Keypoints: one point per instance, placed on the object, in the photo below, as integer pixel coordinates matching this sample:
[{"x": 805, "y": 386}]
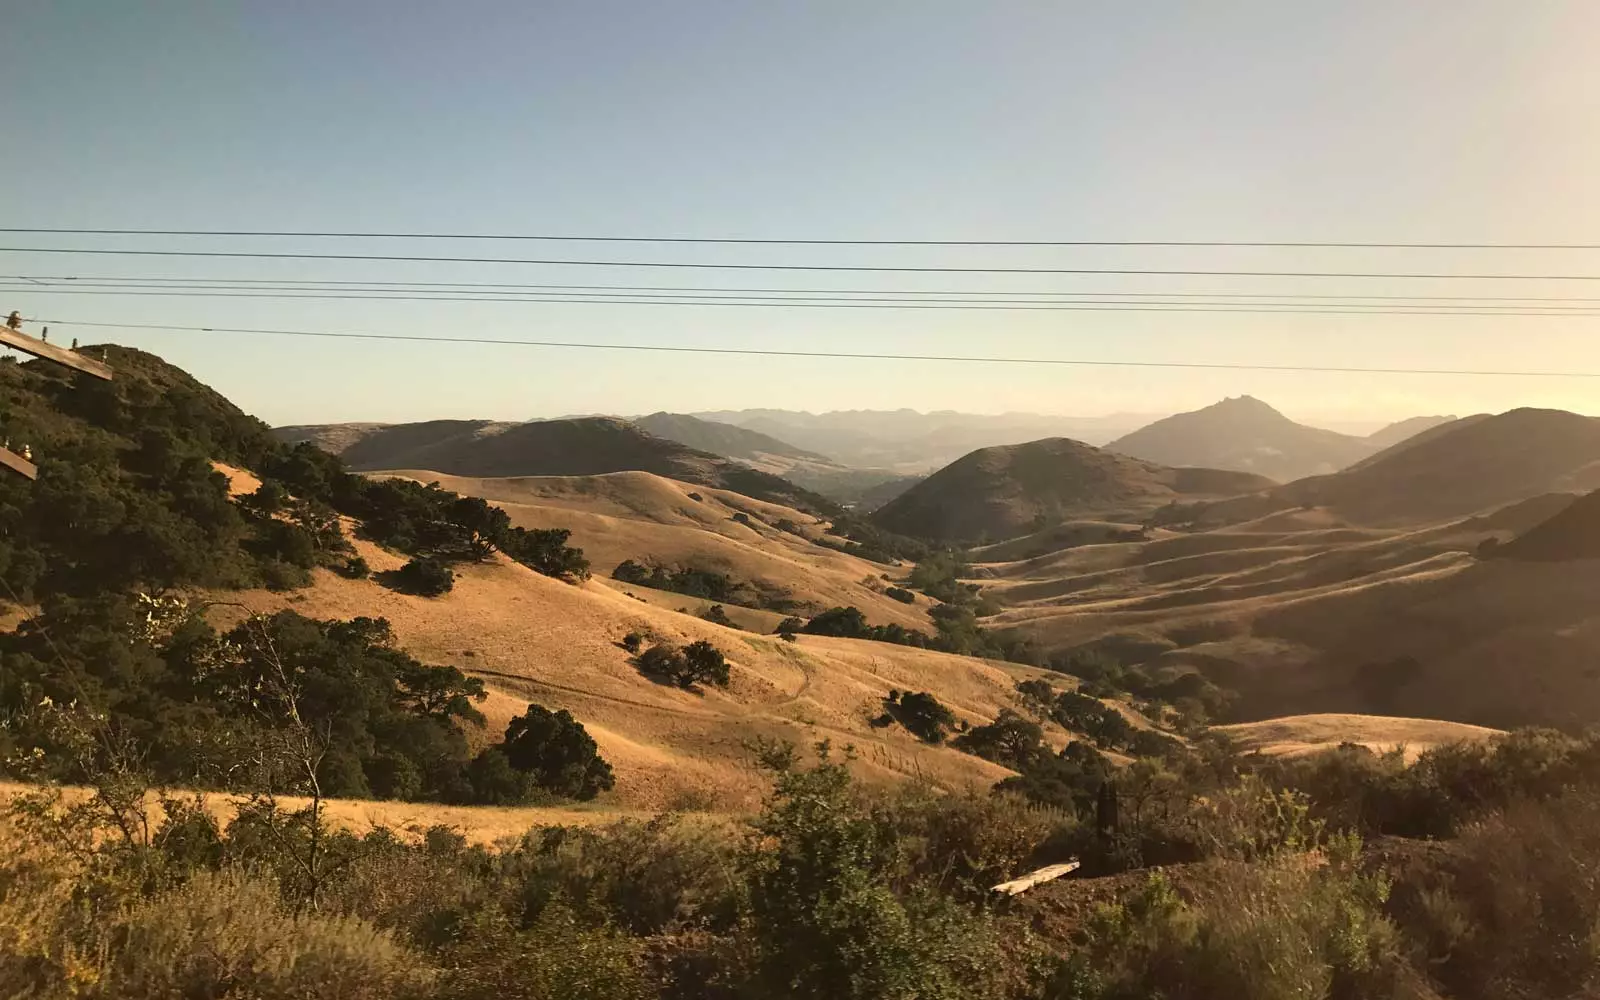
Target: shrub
[
  {"x": 556, "y": 753},
  {"x": 824, "y": 919},
  {"x": 1513, "y": 911},
  {"x": 699, "y": 662},
  {"x": 354, "y": 568},
  {"x": 218, "y": 935},
  {"x": 424, "y": 576},
  {"x": 1257, "y": 933},
  {"x": 1039, "y": 695},
  {"x": 923, "y": 714},
  {"x": 1010, "y": 740},
  {"x": 669, "y": 875},
  {"x": 717, "y": 616},
  {"x": 632, "y": 642},
  {"x": 705, "y": 664},
  {"x": 901, "y": 594},
  {"x": 555, "y": 958}
]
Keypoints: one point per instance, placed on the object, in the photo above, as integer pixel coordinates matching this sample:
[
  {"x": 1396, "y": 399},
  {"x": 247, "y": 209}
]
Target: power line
[
  {"x": 312, "y": 284},
  {"x": 855, "y": 268},
  {"x": 947, "y": 305},
  {"x": 854, "y": 356},
  {"x": 729, "y": 240}
]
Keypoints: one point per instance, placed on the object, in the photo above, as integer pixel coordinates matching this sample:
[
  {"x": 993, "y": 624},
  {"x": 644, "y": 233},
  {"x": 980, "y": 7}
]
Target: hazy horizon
[{"x": 1430, "y": 122}]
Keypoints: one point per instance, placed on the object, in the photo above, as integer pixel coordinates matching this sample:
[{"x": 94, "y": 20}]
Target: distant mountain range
[
  {"x": 1403, "y": 429},
  {"x": 864, "y": 489},
  {"x": 1001, "y": 492},
  {"x": 728, "y": 440},
  {"x": 907, "y": 441},
  {"x": 1449, "y": 470},
  {"x": 580, "y": 446}
]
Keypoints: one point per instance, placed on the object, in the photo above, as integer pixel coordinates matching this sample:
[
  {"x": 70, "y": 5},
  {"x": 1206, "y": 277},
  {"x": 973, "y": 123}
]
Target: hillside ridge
[{"x": 999, "y": 492}]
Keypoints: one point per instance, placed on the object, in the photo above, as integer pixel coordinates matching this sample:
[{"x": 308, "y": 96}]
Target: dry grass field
[
  {"x": 1298, "y": 735},
  {"x": 532, "y": 638},
  {"x": 646, "y": 518},
  {"x": 1301, "y": 612}
]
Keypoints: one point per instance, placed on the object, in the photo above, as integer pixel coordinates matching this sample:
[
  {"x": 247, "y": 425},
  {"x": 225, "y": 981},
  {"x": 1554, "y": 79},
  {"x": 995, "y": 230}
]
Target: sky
[{"x": 1455, "y": 121}]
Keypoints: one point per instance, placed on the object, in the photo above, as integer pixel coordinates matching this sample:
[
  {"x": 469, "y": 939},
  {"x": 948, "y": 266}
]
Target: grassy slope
[
  {"x": 1291, "y": 607},
  {"x": 533, "y": 638},
  {"x": 644, "y": 517},
  {"x": 1298, "y": 735}
]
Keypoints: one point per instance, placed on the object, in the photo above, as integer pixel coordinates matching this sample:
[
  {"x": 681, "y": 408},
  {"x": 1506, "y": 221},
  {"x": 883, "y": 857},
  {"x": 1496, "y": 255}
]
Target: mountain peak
[
  {"x": 1244, "y": 406},
  {"x": 1244, "y": 434}
]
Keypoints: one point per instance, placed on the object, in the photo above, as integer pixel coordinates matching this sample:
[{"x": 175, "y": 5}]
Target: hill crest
[
  {"x": 1008, "y": 490},
  {"x": 572, "y": 446},
  {"x": 1244, "y": 434},
  {"x": 728, "y": 440}
]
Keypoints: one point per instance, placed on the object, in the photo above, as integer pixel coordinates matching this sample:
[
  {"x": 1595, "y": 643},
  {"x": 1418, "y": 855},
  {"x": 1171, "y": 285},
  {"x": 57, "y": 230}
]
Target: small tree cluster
[
  {"x": 697, "y": 663},
  {"x": 424, "y": 576},
  {"x": 544, "y": 754},
  {"x": 923, "y": 714}
]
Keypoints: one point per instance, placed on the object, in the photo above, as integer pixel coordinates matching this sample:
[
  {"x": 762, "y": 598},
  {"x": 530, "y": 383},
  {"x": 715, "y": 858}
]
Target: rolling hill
[
  {"x": 1246, "y": 435},
  {"x": 581, "y": 446},
  {"x": 865, "y": 488},
  {"x": 723, "y": 439},
  {"x": 533, "y": 638},
  {"x": 657, "y": 521},
  {"x": 1468, "y": 466},
  {"x": 1573, "y": 533},
  {"x": 997, "y": 493},
  {"x": 1403, "y": 429},
  {"x": 1302, "y": 612}
]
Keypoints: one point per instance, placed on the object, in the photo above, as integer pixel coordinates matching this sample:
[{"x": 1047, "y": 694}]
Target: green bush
[
  {"x": 697, "y": 663},
  {"x": 424, "y": 576},
  {"x": 1010, "y": 740},
  {"x": 1511, "y": 911},
  {"x": 555, "y": 959},
  {"x": 923, "y": 714},
  {"x": 668, "y": 875},
  {"x": 556, "y": 753},
  {"x": 1265, "y": 932},
  {"x": 824, "y": 919}
]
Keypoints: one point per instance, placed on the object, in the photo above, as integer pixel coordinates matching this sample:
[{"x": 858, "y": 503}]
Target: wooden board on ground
[{"x": 1049, "y": 873}]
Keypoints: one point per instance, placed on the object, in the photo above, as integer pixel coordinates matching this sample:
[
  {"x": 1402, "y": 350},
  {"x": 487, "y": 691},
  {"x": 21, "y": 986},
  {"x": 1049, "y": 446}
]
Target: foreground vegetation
[{"x": 828, "y": 892}]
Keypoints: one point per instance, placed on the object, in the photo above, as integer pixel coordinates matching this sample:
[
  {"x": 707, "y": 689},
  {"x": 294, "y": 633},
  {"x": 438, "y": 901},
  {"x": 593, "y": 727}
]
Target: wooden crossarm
[
  {"x": 50, "y": 352},
  {"x": 17, "y": 463}
]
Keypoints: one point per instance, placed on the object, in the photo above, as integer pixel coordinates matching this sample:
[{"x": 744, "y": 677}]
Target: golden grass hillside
[
  {"x": 1299, "y": 735},
  {"x": 532, "y": 638},
  {"x": 646, "y": 518},
  {"x": 1300, "y": 612}
]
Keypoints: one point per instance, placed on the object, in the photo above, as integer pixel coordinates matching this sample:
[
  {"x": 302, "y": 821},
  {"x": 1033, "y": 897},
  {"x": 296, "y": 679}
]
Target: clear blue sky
[{"x": 1430, "y": 120}]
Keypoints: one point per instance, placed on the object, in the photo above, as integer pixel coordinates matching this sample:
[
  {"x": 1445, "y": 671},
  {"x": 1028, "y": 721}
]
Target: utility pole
[{"x": 11, "y": 335}]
